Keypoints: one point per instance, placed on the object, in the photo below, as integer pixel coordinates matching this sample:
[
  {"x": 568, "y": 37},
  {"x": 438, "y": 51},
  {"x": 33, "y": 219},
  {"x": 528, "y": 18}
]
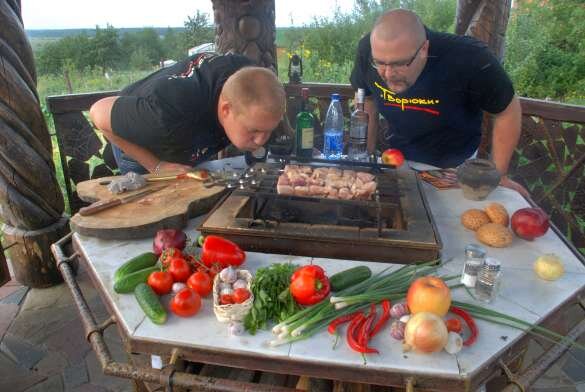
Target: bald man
[
  {"x": 182, "y": 115},
  {"x": 433, "y": 88}
]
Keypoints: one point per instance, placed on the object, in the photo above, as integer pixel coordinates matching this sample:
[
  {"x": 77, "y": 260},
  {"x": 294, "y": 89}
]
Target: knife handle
[{"x": 99, "y": 206}]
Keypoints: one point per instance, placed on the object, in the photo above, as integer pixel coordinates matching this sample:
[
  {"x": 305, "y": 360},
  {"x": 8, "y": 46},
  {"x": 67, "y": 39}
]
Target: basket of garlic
[{"x": 232, "y": 294}]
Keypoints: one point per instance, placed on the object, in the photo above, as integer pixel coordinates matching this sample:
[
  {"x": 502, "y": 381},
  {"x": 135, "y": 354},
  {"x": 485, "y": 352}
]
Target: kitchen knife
[
  {"x": 109, "y": 203},
  {"x": 198, "y": 174}
]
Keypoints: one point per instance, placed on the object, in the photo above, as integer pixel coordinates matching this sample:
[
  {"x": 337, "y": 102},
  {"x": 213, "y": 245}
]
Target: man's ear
[{"x": 224, "y": 107}]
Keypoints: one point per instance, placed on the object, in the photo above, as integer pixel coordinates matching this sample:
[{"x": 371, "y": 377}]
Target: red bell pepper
[
  {"x": 309, "y": 285},
  {"x": 217, "y": 249}
]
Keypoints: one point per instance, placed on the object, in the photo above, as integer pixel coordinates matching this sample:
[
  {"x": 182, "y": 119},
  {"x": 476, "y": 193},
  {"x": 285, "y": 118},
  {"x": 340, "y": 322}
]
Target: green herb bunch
[{"x": 272, "y": 298}]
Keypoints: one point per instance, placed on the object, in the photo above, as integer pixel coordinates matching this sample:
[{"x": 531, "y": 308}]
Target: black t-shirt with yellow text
[
  {"x": 438, "y": 119},
  {"x": 173, "y": 112}
]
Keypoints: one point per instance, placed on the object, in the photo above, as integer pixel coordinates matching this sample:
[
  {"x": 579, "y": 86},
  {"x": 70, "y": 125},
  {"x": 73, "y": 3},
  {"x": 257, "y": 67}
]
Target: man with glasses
[{"x": 432, "y": 88}]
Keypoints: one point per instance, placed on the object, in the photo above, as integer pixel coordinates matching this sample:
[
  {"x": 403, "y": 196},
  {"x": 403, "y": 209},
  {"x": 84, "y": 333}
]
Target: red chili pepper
[
  {"x": 217, "y": 249},
  {"x": 332, "y": 328},
  {"x": 364, "y": 332},
  {"x": 470, "y": 324},
  {"x": 309, "y": 285},
  {"x": 383, "y": 319},
  {"x": 351, "y": 335}
]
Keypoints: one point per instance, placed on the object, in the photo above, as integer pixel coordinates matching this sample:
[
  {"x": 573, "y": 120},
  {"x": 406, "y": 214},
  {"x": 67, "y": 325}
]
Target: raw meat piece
[
  {"x": 285, "y": 189},
  {"x": 365, "y": 177}
]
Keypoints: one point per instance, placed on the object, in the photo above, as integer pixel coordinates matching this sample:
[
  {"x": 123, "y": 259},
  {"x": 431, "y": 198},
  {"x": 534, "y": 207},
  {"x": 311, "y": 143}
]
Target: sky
[{"x": 69, "y": 14}]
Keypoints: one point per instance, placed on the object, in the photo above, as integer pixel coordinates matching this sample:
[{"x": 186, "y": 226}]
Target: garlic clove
[
  {"x": 454, "y": 343},
  {"x": 405, "y": 318}
]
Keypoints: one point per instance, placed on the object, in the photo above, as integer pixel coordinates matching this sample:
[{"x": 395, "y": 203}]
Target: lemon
[{"x": 549, "y": 267}]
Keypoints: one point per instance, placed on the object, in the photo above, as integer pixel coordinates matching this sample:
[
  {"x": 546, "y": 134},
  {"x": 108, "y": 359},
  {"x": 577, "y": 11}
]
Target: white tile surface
[{"x": 522, "y": 295}]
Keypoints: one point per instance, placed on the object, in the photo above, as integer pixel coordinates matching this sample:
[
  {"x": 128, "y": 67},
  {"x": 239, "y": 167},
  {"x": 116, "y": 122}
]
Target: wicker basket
[{"x": 232, "y": 312}]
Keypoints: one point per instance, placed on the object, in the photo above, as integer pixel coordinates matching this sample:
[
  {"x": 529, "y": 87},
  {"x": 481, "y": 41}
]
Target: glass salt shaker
[
  {"x": 474, "y": 257},
  {"x": 488, "y": 280}
]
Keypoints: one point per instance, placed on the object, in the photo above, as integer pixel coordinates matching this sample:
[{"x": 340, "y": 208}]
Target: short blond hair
[{"x": 255, "y": 86}]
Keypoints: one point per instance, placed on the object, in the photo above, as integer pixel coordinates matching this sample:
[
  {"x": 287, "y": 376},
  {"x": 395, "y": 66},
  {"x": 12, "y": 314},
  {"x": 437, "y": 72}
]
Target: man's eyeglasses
[{"x": 380, "y": 66}]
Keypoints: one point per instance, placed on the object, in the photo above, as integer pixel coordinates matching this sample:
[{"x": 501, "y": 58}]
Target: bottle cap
[
  {"x": 335, "y": 97},
  {"x": 492, "y": 264},
  {"x": 474, "y": 251},
  {"x": 361, "y": 93},
  {"x": 305, "y": 92}
]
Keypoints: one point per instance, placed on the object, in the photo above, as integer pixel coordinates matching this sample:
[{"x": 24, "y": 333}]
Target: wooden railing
[{"x": 549, "y": 160}]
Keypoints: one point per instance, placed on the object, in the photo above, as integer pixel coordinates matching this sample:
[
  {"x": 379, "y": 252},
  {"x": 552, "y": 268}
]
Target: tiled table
[{"x": 202, "y": 338}]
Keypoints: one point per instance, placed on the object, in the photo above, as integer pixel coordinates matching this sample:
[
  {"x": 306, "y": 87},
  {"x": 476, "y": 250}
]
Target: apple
[
  {"x": 549, "y": 267},
  {"x": 529, "y": 223},
  {"x": 393, "y": 156},
  {"x": 429, "y": 294}
]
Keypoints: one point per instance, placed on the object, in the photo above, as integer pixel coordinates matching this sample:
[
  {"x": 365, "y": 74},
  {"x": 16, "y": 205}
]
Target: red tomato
[
  {"x": 200, "y": 282},
  {"x": 167, "y": 255},
  {"x": 226, "y": 299},
  {"x": 240, "y": 295},
  {"x": 179, "y": 269},
  {"x": 393, "y": 156},
  {"x": 161, "y": 282},
  {"x": 186, "y": 303},
  {"x": 454, "y": 325}
]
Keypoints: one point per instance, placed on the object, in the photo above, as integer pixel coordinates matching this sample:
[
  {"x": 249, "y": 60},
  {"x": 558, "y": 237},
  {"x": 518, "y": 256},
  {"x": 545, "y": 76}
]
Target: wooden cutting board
[{"x": 170, "y": 207}]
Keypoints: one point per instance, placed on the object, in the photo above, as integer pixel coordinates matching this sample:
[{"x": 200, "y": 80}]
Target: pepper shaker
[{"x": 488, "y": 280}]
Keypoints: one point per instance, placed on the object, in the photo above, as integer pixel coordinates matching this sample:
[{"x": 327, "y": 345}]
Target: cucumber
[
  {"x": 127, "y": 283},
  {"x": 349, "y": 277},
  {"x": 150, "y": 304},
  {"x": 137, "y": 263}
]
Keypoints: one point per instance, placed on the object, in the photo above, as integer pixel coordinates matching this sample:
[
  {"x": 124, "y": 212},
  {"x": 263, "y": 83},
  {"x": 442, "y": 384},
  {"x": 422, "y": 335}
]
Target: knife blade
[
  {"x": 198, "y": 174},
  {"x": 109, "y": 203}
]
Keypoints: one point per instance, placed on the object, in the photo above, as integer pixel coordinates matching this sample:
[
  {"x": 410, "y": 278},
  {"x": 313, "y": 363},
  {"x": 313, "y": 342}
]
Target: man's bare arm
[
  {"x": 506, "y": 133},
  {"x": 100, "y": 114}
]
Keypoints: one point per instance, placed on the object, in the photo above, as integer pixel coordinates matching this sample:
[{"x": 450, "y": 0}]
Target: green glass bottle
[{"x": 305, "y": 129}]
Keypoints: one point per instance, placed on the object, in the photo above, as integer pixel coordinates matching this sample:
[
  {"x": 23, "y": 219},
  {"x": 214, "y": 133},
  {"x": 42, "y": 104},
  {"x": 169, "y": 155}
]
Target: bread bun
[
  {"x": 473, "y": 219},
  {"x": 495, "y": 235},
  {"x": 497, "y": 213}
]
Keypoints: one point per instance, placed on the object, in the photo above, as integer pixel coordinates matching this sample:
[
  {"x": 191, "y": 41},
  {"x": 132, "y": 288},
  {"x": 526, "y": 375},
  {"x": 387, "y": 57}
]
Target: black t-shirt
[
  {"x": 173, "y": 112},
  {"x": 438, "y": 119}
]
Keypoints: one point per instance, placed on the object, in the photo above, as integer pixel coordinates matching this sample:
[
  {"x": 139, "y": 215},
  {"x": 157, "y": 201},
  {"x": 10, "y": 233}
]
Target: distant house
[{"x": 208, "y": 47}]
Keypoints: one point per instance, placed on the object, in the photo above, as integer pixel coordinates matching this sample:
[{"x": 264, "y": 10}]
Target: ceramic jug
[{"x": 477, "y": 178}]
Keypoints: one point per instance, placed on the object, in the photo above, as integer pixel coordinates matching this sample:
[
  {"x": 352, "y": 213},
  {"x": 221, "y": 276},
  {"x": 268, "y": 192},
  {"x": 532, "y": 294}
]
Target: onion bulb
[{"x": 425, "y": 332}]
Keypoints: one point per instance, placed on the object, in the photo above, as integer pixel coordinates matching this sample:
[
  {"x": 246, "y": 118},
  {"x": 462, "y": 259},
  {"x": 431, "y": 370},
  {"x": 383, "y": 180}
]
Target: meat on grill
[{"x": 326, "y": 182}]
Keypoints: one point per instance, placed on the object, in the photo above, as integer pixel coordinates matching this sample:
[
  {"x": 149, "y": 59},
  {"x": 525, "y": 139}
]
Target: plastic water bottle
[
  {"x": 358, "y": 130},
  {"x": 333, "y": 133}
]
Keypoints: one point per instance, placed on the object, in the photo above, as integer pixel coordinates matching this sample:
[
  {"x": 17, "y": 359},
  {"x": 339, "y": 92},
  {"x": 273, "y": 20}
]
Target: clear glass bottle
[
  {"x": 333, "y": 130},
  {"x": 474, "y": 257},
  {"x": 305, "y": 129},
  {"x": 488, "y": 280},
  {"x": 358, "y": 130}
]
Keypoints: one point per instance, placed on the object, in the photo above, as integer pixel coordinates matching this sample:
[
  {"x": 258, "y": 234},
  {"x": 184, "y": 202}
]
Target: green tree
[
  {"x": 173, "y": 45},
  {"x": 198, "y": 30},
  {"x": 545, "y": 50},
  {"x": 106, "y": 48}
]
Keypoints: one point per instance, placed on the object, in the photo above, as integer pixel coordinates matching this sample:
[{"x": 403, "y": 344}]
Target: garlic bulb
[
  {"x": 397, "y": 330},
  {"x": 235, "y": 329},
  {"x": 454, "y": 343},
  {"x": 240, "y": 284},
  {"x": 228, "y": 275},
  {"x": 399, "y": 310}
]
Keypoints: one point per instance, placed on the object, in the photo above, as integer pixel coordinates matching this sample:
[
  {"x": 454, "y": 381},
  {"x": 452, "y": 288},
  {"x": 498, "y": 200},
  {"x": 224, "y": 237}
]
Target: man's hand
[{"x": 508, "y": 183}]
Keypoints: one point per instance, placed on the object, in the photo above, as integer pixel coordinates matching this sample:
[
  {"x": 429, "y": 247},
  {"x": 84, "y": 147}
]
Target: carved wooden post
[
  {"x": 30, "y": 199},
  {"x": 246, "y": 27},
  {"x": 486, "y": 20}
]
